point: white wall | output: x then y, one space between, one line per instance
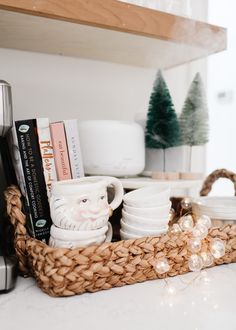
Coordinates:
222 79
180 78
63 87
60 87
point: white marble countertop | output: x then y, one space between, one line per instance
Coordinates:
204 301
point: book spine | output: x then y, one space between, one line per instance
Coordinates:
34 178
60 151
74 149
47 153
18 168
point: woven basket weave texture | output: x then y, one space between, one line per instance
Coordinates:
66 272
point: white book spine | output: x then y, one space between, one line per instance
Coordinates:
74 149
47 154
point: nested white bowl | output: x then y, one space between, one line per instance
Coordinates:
149 212
66 234
142 232
222 222
64 243
216 207
74 238
227 204
147 197
124 235
143 222
215 215
214 210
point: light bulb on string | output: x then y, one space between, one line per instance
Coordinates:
200 231
175 229
205 278
186 222
186 203
195 245
162 266
171 290
217 248
205 220
207 258
195 263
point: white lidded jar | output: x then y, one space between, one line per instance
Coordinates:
112 147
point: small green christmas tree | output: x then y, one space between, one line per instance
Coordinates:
194 116
162 126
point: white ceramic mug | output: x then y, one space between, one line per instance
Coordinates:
82 204
65 238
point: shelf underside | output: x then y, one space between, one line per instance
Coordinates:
139 182
167 42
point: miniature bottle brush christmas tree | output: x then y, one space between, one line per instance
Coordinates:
162 126
194 117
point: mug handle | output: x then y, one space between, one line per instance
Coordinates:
109 233
118 192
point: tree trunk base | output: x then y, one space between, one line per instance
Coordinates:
165 175
191 176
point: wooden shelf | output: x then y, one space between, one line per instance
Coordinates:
107 30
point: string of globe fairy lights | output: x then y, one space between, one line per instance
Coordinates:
197 228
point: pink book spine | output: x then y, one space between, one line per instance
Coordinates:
60 151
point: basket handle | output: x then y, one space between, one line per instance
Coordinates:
211 178
18 219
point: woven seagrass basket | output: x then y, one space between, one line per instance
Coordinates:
66 272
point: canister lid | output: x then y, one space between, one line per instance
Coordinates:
3 82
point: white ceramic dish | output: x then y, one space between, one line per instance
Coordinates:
142 232
76 234
79 238
124 235
215 207
218 203
147 197
149 212
141 222
222 222
215 215
59 243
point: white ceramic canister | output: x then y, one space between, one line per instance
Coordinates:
112 147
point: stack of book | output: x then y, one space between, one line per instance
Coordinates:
43 152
